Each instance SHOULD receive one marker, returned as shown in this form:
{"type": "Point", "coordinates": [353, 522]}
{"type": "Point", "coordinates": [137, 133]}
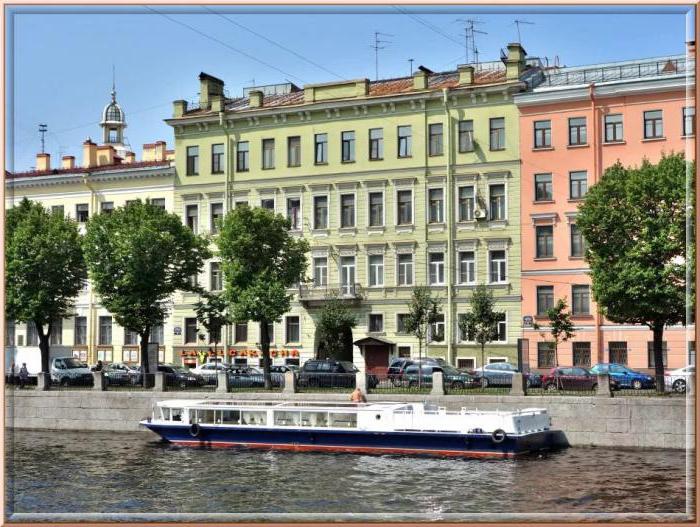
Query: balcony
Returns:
{"type": "Point", "coordinates": [311, 295]}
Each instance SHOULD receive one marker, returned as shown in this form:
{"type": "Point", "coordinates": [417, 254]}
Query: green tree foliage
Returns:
{"type": "Point", "coordinates": [334, 322]}
{"type": "Point", "coordinates": [260, 262]}
{"type": "Point", "coordinates": [212, 313]}
{"type": "Point", "coordinates": [423, 310]}
{"type": "Point", "coordinates": [138, 256]}
{"type": "Point", "coordinates": [45, 268]}
{"type": "Point", "coordinates": [481, 323]}
{"type": "Point", "coordinates": [635, 222]}
{"type": "Point", "coordinates": [560, 326]}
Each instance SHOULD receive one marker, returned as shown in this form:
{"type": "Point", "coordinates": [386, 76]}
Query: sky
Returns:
{"type": "Point", "coordinates": [60, 59]}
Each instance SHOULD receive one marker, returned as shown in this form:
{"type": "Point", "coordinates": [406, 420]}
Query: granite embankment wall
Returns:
{"type": "Point", "coordinates": [662, 422]}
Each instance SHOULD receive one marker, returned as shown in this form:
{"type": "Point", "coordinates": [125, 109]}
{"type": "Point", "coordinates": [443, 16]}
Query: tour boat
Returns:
{"type": "Point", "coordinates": [367, 428]}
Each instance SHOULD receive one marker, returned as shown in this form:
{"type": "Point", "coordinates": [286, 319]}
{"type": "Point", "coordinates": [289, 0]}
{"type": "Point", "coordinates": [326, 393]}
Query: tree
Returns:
{"type": "Point", "coordinates": [45, 269]}
{"type": "Point", "coordinates": [481, 323]}
{"type": "Point", "coordinates": [635, 222]}
{"type": "Point", "coordinates": [138, 256]}
{"type": "Point", "coordinates": [212, 313]}
{"type": "Point", "coordinates": [260, 262]}
{"type": "Point", "coordinates": [334, 323]}
{"type": "Point", "coordinates": [423, 311]}
{"type": "Point", "coordinates": [560, 326]}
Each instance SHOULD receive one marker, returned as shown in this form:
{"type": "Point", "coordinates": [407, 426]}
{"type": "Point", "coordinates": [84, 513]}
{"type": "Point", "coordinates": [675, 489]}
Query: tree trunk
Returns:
{"type": "Point", "coordinates": [265, 346]}
{"type": "Point", "coordinates": [556, 354]}
{"type": "Point", "coordinates": [483, 359]}
{"type": "Point", "coordinates": [420, 365]}
{"type": "Point", "coordinates": [659, 357]}
{"type": "Point", "coordinates": [44, 347]}
{"type": "Point", "coordinates": [144, 356]}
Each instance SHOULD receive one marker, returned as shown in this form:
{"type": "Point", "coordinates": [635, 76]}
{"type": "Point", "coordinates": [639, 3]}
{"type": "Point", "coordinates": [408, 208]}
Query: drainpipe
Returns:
{"type": "Point", "coordinates": [596, 176]}
{"type": "Point", "coordinates": [227, 207]}
{"type": "Point", "coordinates": [91, 302]}
{"type": "Point", "coordinates": [449, 223]}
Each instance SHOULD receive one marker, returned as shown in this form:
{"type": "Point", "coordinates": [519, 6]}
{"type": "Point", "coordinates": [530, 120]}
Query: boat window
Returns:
{"type": "Point", "coordinates": [204, 416]}
{"type": "Point", "coordinates": [287, 419]}
{"type": "Point", "coordinates": [343, 420]}
{"type": "Point", "coordinates": [176, 414]}
{"type": "Point", "coordinates": [253, 418]}
{"type": "Point", "coordinates": [314, 419]}
{"type": "Point", "coordinates": [231, 417]}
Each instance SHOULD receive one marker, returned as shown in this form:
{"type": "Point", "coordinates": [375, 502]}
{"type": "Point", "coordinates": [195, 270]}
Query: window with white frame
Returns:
{"type": "Point", "coordinates": [215, 279]}
{"type": "Point", "coordinates": [320, 271]}
{"type": "Point", "coordinates": [292, 333]}
{"type": "Point", "coordinates": [404, 208]}
{"type": "Point", "coordinates": [401, 319]}
{"type": "Point", "coordinates": [404, 275]}
{"type": "Point", "coordinates": [689, 120]}
{"type": "Point", "coordinates": [376, 322]}
{"type": "Point", "coordinates": [268, 151]}
{"type": "Point", "coordinates": [497, 201]}
{"type": "Point", "coordinates": [502, 328]}
{"type": "Point", "coordinates": [435, 139]}
{"type": "Point", "coordinates": [462, 335]}
{"type": "Point", "coordinates": [56, 337]}
{"type": "Point", "coordinates": [436, 202]}
{"type": "Point", "coordinates": [320, 212]}
{"type": "Point", "coordinates": [347, 210]}
{"type": "Point", "coordinates": [216, 212]}
{"type": "Point", "coordinates": [376, 270]}
{"type": "Point", "coordinates": [376, 209]}
{"type": "Point", "coordinates": [466, 136]}
{"type": "Point", "coordinates": [436, 268]}
{"type": "Point", "coordinates": [466, 363]}
{"type": "Point", "coordinates": [466, 203]}
{"type": "Point", "coordinates": [467, 267]}
{"type": "Point", "coordinates": [347, 140]}
{"type": "Point", "coordinates": [268, 203]}
{"type": "Point", "coordinates": [404, 141]}
{"type": "Point", "coordinates": [436, 330]}
{"type": "Point", "coordinates": [192, 217]}
{"type": "Point", "coordinates": [497, 267]}
{"type": "Point", "coordinates": [294, 213]}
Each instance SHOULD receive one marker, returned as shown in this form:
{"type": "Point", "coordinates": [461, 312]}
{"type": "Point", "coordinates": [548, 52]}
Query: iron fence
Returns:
{"type": "Point", "coordinates": [252, 382]}
{"type": "Point", "coordinates": [328, 382]}
{"type": "Point", "coordinates": [380, 382]}
{"type": "Point", "coordinates": [187, 381]}
{"type": "Point", "coordinates": [78, 382]}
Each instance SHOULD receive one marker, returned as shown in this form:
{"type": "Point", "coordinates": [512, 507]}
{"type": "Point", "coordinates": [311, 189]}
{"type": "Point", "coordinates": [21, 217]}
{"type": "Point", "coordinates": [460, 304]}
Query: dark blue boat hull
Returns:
{"type": "Point", "coordinates": [356, 441]}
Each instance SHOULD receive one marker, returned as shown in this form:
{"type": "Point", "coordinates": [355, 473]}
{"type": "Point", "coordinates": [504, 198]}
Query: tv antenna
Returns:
{"type": "Point", "coordinates": [469, 37]}
{"type": "Point", "coordinates": [42, 130]}
{"type": "Point", "coordinates": [410, 61]}
{"type": "Point", "coordinates": [376, 46]}
{"type": "Point", "coordinates": [517, 25]}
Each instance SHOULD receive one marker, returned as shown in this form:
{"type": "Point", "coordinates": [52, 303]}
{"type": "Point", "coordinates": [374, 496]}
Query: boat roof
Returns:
{"type": "Point", "coordinates": [289, 405]}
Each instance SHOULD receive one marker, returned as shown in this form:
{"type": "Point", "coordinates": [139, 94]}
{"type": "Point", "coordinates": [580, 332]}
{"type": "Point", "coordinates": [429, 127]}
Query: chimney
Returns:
{"type": "Point", "coordinates": [89, 154]}
{"type": "Point", "coordinates": [179, 108]}
{"type": "Point", "coordinates": [420, 79]}
{"type": "Point", "coordinates": [170, 155]}
{"type": "Point", "coordinates": [105, 155]}
{"type": "Point", "coordinates": [217, 103]}
{"type": "Point", "coordinates": [159, 151]}
{"type": "Point", "coordinates": [129, 157]}
{"type": "Point", "coordinates": [43, 162]}
{"type": "Point", "coordinates": [149, 152]}
{"type": "Point", "coordinates": [466, 75]}
{"type": "Point", "coordinates": [515, 61]}
{"type": "Point", "coordinates": [68, 162]}
{"type": "Point", "coordinates": [208, 88]}
{"type": "Point", "coordinates": [255, 99]}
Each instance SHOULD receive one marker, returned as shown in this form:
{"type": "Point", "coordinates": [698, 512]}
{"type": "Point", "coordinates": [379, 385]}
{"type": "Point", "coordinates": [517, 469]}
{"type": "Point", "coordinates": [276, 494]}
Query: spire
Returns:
{"type": "Point", "coordinates": [114, 89]}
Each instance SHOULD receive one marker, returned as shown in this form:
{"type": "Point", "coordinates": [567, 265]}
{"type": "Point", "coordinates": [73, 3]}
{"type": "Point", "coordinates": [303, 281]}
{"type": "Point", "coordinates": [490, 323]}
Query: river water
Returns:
{"type": "Point", "coordinates": [135, 476]}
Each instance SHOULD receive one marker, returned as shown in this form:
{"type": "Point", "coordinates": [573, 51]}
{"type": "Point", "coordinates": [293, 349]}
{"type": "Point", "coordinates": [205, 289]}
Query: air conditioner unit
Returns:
{"type": "Point", "coordinates": [480, 214]}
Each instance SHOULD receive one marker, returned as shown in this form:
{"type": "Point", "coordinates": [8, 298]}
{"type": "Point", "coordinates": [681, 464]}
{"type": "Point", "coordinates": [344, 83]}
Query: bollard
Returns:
{"type": "Point", "coordinates": [159, 384]}
{"type": "Point", "coordinates": [690, 385]}
{"type": "Point", "coordinates": [290, 382]}
{"type": "Point", "coordinates": [222, 379]}
{"type": "Point", "coordinates": [517, 387]}
{"type": "Point", "coordinates": [99, 381]}
{"type": "Point", "coordinates": [438, 384]}
{"type": "Point", "coordinates": [361, 381]}
{"type": "Point", "coordinates": [603, 389]}
{"type": "Point", "coordinates": [43, 381]}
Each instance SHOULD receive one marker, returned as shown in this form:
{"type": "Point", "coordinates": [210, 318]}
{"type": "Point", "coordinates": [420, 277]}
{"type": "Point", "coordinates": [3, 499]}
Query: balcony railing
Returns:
{"type": "Point", "coordinates": [310, 292]}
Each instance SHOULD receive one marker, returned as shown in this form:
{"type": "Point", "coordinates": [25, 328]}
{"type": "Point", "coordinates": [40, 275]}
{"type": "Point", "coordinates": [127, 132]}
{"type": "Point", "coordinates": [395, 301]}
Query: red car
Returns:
{"type": "Point", "coordinates": [567, 378]}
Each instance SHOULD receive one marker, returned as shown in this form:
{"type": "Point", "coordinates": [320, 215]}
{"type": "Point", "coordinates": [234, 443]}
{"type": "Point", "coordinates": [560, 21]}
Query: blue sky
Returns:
{"type": "Point", "coordinates": [60, 58]}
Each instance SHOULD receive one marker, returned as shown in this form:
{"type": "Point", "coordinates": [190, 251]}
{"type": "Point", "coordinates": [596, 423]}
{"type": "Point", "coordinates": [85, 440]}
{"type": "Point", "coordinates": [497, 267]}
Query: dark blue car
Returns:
{"type": "Point", "coordinates": [625, 377]}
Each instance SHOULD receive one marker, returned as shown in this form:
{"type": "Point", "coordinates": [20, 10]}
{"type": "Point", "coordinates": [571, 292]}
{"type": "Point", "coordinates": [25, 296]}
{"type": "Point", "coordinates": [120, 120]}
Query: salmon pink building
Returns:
{"type": "Point", "coordinates": [574, 125]}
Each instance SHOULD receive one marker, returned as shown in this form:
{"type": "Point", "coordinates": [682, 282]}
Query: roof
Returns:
{"type": "Point", "coordinates": [82, 170]}
{"type": "Point", "coordinates": [373, 341]}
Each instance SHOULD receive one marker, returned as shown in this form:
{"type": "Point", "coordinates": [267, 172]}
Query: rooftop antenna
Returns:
{"type": "Point", "coordinates": [517, 25]}
{"type": "Point", "coordinates": [410, 61]}
{"type": "Point", "coordinates": [376, 48]}
{"type": "Point", "coordinates": [469, 32]}
{"type": "Point", "coordinates": [42, 130]}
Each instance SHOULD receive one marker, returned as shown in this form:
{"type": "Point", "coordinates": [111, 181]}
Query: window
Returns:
{"type": "Point", "coordinates": [577, 131]}
{"type": "Point", "coordinates": [56, 338]}
{"type": "Point", "coordinates": [436, 330]}
{"type": "Point", "coordinates": [466, 136]}
{"type": "Point", "coordinates": [578, 184]}
{"type": "Point", "coordinates": [321, 149]}
{"type": "Point", "coordinates": [242, 156]}
{"type": "Point", "coordinates": [32, 334]}
{"type": "Point", "coordinates": [467, 267]}
{"type": "Point", "coordinates": [158, 202]}
{"type": "Point", "coordinates": [689, 120]}
{"type": "Point", "coordinates": [502, 333]}
{"type": "Point", "coordinates": [435, 206]}
{"type": "Point", "coordinates": [294, 213]}
{"type": "Point", "coordinates": [80, 331]}
{"type": "Point", "coordinates": [405, 271]}
{"type": "Point", "coordinates": [376, 322]}
{"type": "Point", "coordinates": [192, 160]}
{"type": "Point", "coordinates": [347, 274]}
{"type": "Point", "coordinates": [190, 331]}
{"type": "Point", "coordinates": [292, 330]}
{"type": "Point", "coordinates": [545, 241]}
{"type": "Point", "coordinates": [653, 124]}
{"type": "Point", "coordinates": [347, 140]}
{"type": "Point", "coordinates": [435, 139]}
{"type": "Point", "coordinates": [581, 300]}
{"type": "Point", "coordinates": [81, 212]}
{"type": "Point", "coordinates": [376, 144]}
{"type": "Point", "coordinates": [617, 352]}
{"type": "Point", "coordinates": [157, 335]}
{"type": "Point", "coordinates": [107, 207]}
{"type": "Point", "coordinates": [466, 203]}
{"type": "Point", "coordinates": [268, 147]}
{"type": "Point", "coordinates": [268, 203]}
{"type": "Point", "coordinates": [436, 268]}
{"type": "Point", "coordinates": [217, 158]}
{"type": "Point", "coordinates": [497, 133]}
{"type": "Point", "coordinates": [216, 212]}
{"type": "Point", "coordinates": [497, 267]}
{"type": "Point", "coordinates": [294, 151]}
{"type": "Point", "coordinates": [241, 332]}
{"type": "Point", "coordinates": [347, 210]}
{"type": "Point", "coordinates": [215, 278]}
{"type": "Point", "coordinates": [404, 199]}
{"type": "Point", "coordinates": [465, 363]}
{"type": "Point", "coordinates": [376, 209]}
{"type": "Point", "coordinates": [401, 319]}
{"type": "Point", "coordinates": [320, 212]}
{"type": "Point", "coordinates": [105, 332]}
{"type": "Point", "coordinates": [320, 271]}
{"type": "Point", "coordinates": [497, 201]}
{"type": "Point", "coordinates": [462, 335]}
{"type": "Point", "coordinates": [545, 299]}
{"type": "Point", "coordinates": [664, 351]}
{"type": "Point", "coordinates": [582, 354]}
{"type": "Point", "coordinates": [241, 204]}
{"type": "Point", "coordinates": [578, 246]}
{"type": "Point", "coordinates": [9, 333]}
{"type": "Point", "coordinates": [270, 331]}
{"type": "Point", "coordinates": [404, 141]}
{"type": "Point", "coordinates": [543, 187]}
{"type": "Point", "coordinates": [404, 351]}
{"type": "Point", "coordinates": [131, 338]}
{"type": "Point", "coordinates": [376, 270]}
{"type": "Point", "coordinates": [192, 217]}
{"type": "Point", "coordinates": [543, 134]}
{"type": "Point", "coordinates": [57, 209]}
{"type": "Point", "coordinates": [545, 355]}
{"type": "Point", "coordinates": [613, 128]}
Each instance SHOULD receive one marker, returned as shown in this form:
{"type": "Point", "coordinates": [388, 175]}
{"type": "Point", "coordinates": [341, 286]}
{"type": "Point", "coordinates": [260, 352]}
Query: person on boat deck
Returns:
{"type": "Point", "coordinates": [357, 396]}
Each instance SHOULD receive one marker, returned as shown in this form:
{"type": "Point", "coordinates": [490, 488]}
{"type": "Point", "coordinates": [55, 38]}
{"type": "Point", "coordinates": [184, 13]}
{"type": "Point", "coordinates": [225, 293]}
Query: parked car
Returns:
{"type": "Point", "coordinates": [397, 367]}
{"type": "Point", "coordinates": [120, 374]}
{"type": "Point", "coordinates": [501, 374]}
{"type": "Point", "coordinates": [677, 380]}
{"type": "Point", "coordinates": [180, 376]}
{"type": "Point", "coordinates": [625, 377]}
{"type": "Point", "coordinates": [69, 371]}
{"type": "Point", "coordinates": [451, 376]}
{"type": "Point", "coordinates": [568, 378]}
{"type": "Point", "coordinates": [210, 370]}
{"type": "Point", "coordinates": [330, 373]}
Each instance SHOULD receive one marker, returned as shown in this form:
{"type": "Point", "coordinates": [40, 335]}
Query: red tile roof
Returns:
{"type": "Point", "coordinates": [82, 170]}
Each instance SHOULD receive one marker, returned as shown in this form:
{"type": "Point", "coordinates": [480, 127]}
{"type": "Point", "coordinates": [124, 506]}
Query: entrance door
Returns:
{"type": "Point", "coordinates": [347, 275]}
{"type": "Point", "coordinates": [376, 358]}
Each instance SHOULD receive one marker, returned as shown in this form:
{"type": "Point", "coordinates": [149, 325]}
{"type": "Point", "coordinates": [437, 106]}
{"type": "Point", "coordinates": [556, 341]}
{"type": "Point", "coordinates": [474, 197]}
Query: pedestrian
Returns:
{"type": "Point", "coordinates": [98, 366]}
{"type": "Point", "coordinates": [23, 375]}
{"type": "Point", "coordinates": [357, 396]}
